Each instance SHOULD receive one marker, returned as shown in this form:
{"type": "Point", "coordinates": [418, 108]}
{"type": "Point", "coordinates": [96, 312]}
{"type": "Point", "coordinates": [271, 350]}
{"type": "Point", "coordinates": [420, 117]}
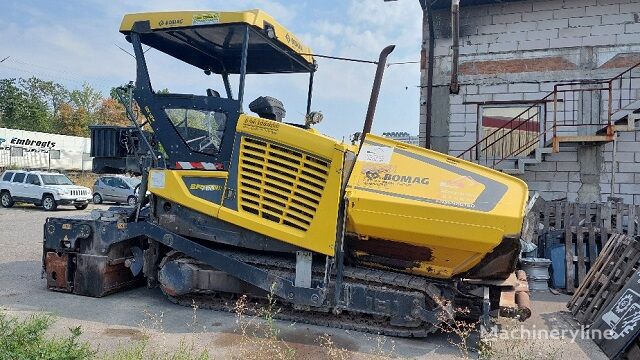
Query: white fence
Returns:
{"type": "Point", "coordinates": [36, 150]}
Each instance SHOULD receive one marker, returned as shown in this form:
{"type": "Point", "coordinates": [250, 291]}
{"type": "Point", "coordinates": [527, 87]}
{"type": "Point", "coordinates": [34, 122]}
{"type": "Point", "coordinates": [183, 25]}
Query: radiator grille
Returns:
{"type": "Point", "coordinates": [280, 184]}
{"type": "Point", "coordinates": [78, 192]}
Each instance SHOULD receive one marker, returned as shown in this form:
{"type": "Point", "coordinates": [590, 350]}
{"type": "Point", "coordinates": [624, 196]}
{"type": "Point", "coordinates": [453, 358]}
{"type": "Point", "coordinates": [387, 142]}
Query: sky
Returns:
{"type": "Point", "coordinates": [76, 41]}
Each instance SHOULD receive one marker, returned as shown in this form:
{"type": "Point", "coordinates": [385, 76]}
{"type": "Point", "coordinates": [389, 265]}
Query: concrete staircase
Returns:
{"type": "Point", "coordinates": [620, 96]}
{"type": "Point", "coordinates": [624, 120]}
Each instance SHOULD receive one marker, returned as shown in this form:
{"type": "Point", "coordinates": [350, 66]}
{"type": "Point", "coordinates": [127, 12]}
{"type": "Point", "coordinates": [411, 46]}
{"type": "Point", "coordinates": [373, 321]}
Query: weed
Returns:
{"type": "Point", "coordinates": [331, 349]}
{"type": "Point", "coordinates": [259, 333]}
{"type": "Point", "coordinates": [449, 323]}
{"type": "Point", "coordinates": [25, 339]}
{"type": "Point", "coordinates": [142, 351]}
{"type": "Point", "coordinates": [381, 350]}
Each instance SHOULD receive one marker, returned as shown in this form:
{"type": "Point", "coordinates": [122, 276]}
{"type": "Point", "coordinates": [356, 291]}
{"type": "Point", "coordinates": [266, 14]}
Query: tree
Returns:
{"type": "Point", "coordinates": [111, 112]}
{"type": "Point", "coordinates": [86, 98]}
{"type": "Point", "coordinates": [22, 110]}
{"type": "Point", "coordinates": [50, 92]}
{"type": "Point", "coordinates": [70, 121]}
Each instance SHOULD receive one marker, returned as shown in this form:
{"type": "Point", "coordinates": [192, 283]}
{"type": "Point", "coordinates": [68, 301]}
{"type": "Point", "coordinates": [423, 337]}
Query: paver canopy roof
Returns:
{"type": "Point", "coordinates": [212, 40]}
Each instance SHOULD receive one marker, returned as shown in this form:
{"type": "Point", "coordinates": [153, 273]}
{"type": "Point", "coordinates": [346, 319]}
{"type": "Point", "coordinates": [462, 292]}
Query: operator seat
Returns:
{"type": "Point", "coordinates": [268, 107]}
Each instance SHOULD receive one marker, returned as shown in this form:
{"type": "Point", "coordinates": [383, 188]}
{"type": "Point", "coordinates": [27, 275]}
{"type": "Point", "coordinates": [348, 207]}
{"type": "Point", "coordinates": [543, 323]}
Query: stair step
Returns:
{"type": "Point", "coordinates": [580, 139]}
{"type": "Point", "coordinates": [622, 113]}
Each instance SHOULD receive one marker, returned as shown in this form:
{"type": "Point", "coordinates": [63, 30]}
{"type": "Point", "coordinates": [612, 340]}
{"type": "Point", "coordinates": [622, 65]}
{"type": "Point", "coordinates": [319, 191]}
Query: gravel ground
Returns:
{"type": "Point", "coordinates": [123, 319]}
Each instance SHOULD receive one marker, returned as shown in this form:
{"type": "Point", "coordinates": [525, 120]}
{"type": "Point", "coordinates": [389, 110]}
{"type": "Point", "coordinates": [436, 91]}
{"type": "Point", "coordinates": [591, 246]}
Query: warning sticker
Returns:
{"type": "Point", "coordinates": [206, 18]}
{"type": "Point", "coordinates": [157, 180]}
{"type": "Point", "coordinates": [375, 154]}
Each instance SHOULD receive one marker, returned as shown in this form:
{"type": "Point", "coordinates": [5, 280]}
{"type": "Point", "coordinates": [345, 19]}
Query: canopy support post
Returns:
{"type": "Point", "coordinates": [310, 93]}
{"type": "Point", "coordinates": [243, 66]}
{"type": "Point", "coordinates": [227, 85]}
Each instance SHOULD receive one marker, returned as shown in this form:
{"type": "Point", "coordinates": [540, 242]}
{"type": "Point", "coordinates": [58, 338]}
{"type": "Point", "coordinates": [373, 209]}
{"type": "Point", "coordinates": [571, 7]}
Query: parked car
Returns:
{"type": "Point", "coordinates": [116, 188]}
{"type": "Point", "coordinates": [44, 189]}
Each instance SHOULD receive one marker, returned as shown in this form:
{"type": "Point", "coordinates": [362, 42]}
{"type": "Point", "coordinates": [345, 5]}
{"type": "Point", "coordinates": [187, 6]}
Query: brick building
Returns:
{"type": "Point", "coordinates": [548, 91]}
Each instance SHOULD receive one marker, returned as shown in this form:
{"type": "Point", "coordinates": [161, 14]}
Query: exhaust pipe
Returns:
{"type": "Point", "coordinates": [375, 91]}
{"type": "Point", "coordinates": [454, 86]}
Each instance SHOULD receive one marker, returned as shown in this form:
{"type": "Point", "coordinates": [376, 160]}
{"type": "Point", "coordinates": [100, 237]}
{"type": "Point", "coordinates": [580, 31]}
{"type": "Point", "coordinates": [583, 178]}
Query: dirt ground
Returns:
{"type": "Point", "coordinates": [122, 319]}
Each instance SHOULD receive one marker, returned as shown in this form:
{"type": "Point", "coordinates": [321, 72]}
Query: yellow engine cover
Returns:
{"type": "Point", "coordinates": [417, 210]}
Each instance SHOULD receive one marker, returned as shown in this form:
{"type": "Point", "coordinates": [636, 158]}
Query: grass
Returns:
{"type": "Point", "coordinates": [26, 340]}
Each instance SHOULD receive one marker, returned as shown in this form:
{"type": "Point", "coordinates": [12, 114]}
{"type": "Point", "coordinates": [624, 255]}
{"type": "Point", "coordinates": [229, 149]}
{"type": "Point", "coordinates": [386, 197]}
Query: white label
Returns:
{"type": "Point", "coordinates": [157, 180]}
{"type": "Point", "coordinates": [375, 154]}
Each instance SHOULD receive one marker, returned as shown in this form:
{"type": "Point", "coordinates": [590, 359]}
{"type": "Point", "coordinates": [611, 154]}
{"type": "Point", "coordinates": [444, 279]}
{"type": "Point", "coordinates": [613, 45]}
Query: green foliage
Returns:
{"type": "Point", "coordinates": [20, 109]}
{"type": "Point", "coordinates": [86, 98]}
{"type": "Point", "coordinates": [25, 340]}
{"type": "Point", "coordinates": [37, 105]}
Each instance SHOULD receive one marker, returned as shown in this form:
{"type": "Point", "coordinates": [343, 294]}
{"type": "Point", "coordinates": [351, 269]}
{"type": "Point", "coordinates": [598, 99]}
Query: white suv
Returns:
{"type": "Point", "coordinates": [42, 188]}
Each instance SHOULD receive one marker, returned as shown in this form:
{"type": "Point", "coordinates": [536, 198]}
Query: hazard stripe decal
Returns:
{"type": "Point", "coordinates": [196, 165]}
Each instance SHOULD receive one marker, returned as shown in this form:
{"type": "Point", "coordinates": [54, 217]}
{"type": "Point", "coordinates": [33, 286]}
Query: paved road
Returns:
{"type": "Point", "coordinates": [123, 318]}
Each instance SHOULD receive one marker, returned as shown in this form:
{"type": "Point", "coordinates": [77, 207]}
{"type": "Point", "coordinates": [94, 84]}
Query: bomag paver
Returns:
{"type": "Point", "coordinates": [379, 236]}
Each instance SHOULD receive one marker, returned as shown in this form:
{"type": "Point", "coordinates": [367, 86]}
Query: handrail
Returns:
{"type": "Point", "coordinates": [569, 97]}
{"type": "Point", "coordinates": [507, 124]}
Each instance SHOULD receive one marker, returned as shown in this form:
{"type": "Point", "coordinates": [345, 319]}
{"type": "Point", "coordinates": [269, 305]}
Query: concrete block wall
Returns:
{"type": "Point", "coordinates": [517, 51]}
{"type": "Point", "coordinates": [583, 173]}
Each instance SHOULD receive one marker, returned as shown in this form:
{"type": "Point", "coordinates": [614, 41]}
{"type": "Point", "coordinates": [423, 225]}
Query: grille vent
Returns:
{"type": "Point", "coordinates": [280, 184]}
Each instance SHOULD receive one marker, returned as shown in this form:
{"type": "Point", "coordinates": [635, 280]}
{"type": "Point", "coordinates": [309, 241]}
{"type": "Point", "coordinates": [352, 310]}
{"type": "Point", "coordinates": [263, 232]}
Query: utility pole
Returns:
{"type": "Point", "coordinates": [426, 67]}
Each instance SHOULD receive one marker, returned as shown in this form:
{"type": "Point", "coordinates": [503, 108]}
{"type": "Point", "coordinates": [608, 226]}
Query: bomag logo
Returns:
{"type": "Point", "coordinates": [396, 178]}
{"type": "Point", "coordinates": [293, 42]}
{"type": "Point", "coordinates": [204, 187]}
{"type": "Point", "coordinates": [171, 22]}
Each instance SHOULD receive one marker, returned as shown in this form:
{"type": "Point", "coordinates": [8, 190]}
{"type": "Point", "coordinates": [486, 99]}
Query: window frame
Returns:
{"type": "Point", "coordinates": [15, 176]}
{"type": "Point", "coordinates": [524, 105]}
{"type": "Point", "coordinates": [26, 180]}
{"type": "Point", "coordinates": [11, 173]}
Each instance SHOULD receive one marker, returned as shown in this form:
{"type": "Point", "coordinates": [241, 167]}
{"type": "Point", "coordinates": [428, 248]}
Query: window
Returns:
{"type": "Point", "coordinates": [18, 178]}
{"type": "Point", "coordinates": [106, 180]}
{"type": "Point", "coordinates": [201, 130]}
{"type": "Point", "coordinates": [133, 182]}
{"type": "Point", "coordinates": [510, 130]}
{"type": "Point", "coordinates": [7, 176]}
{"type": "Point", "coordinates": [16, 151]}
{"type": "Point", "coordinates": [54, 154]}
{"type": "Point", "coordinates": [33, 179]}
{"type": "Point", "coordinates": [119, 183]}
{"type": "Point", "coordinates": [57, 179]}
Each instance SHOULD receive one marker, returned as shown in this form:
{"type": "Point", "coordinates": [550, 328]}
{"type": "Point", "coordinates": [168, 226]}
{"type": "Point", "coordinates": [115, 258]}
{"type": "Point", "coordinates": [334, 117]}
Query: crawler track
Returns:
{"type": "Point", "coordinates": [210, 299]}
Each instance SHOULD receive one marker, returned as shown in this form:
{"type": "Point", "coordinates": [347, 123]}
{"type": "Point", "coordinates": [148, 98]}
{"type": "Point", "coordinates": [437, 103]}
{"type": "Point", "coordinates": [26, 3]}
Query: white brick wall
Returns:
{"type": "Point", "coordinates": [531, 30]}
{"type": "Point", "coordinates": [518, 23]}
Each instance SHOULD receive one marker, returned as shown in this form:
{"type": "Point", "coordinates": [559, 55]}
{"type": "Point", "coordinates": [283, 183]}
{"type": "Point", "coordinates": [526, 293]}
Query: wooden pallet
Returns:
{"type": "Point", "coordinates": [613, 217]}
{"type": "Point", "coordinates": [586, 229]}
{"type": "Point", "coordinates": [617, 262]}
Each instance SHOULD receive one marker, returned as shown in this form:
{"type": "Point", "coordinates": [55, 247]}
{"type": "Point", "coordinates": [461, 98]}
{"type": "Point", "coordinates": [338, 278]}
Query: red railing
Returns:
{"type": "Point", "coordinates": [573, 113]}
{"type": "Point", "coordinates": [505, 140]}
